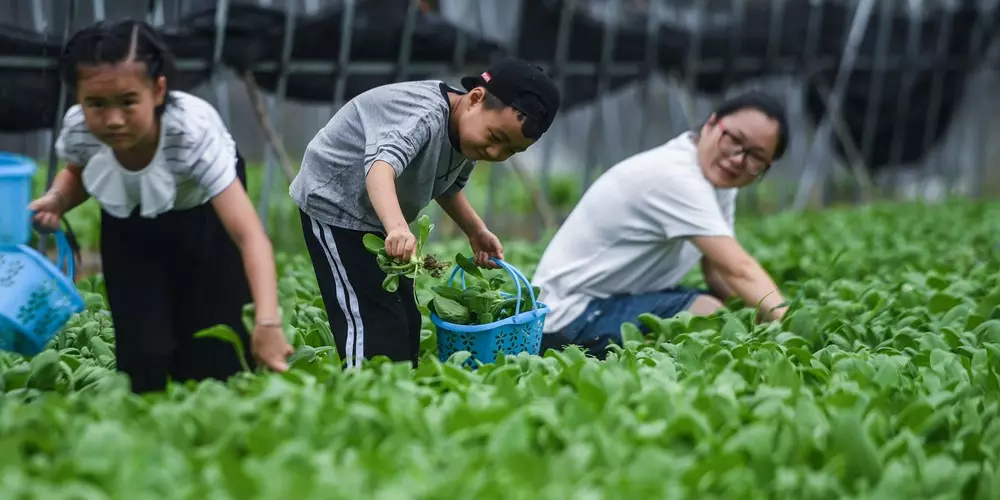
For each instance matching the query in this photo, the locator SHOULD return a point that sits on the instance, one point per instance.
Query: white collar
(106, 179)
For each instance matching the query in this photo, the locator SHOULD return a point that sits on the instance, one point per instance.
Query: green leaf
(630, 332)
(424, 226)
(226, 333)
(468, 265)
(449, 292)
(373, 243)
(849, 437)
(391, 283)
(450, 310)
(943, 302)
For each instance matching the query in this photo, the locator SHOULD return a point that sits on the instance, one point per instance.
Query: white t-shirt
(629, 233)
(194, 162)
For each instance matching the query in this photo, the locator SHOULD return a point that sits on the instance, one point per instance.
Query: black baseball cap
(515, 82)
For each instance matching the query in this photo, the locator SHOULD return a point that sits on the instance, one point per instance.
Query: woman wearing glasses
(645, 223)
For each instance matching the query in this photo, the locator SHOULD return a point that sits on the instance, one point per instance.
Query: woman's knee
(704, 305)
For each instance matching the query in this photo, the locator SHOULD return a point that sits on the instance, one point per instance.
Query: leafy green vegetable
(395, 268)
(480, 303)
(882, 382)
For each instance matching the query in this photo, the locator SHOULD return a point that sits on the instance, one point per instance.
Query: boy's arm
(457, 207)
(381, 186)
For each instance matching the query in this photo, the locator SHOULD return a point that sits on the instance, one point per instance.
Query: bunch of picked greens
(481, 303)
(394, 268)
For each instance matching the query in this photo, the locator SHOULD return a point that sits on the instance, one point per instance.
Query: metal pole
(61, 107)
(816, 154)
(343, 59)
(940, 69)
(979, 129)
(218, 85)
(596, 144)
(558, 74)
(44, 137)
(911, 63)
(50, 173)
(735, 41)
(650, 69)
(275, 108)
(154, 13)
(882, 44)
(99, 10)
(495, 173)
(406, 42)
(810, 66)
(772, 60)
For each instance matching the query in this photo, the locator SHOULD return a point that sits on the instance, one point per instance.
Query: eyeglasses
(754, 162)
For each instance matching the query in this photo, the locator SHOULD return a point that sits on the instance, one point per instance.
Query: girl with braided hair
(182, 248)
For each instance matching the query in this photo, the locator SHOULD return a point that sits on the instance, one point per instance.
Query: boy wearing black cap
(382, 158)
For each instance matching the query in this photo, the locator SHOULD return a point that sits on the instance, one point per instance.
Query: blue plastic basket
(16, 172)
(36, 298)
(516, 334)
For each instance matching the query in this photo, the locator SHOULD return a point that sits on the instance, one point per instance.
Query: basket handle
(64, 254)
(67, 247)
(514, 273)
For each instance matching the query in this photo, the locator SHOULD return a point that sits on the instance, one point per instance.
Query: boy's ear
(476, 95)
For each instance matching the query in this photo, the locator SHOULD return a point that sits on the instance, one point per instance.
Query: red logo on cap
(486, 76)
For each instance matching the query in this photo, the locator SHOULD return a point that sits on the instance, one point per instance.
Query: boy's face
(491, 135)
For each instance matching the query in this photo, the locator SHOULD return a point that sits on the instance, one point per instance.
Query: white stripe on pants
(348, 300)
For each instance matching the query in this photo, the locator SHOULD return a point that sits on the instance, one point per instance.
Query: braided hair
(113, 42)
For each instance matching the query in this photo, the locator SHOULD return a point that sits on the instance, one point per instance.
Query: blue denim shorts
(600, 323)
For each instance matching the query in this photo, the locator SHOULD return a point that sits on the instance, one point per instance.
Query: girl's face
(119, 103)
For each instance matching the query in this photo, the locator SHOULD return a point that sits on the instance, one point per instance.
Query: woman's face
(737, 148)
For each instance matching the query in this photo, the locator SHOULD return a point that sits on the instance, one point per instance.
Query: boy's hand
(400, 244)
(48, 210)
(485, 245)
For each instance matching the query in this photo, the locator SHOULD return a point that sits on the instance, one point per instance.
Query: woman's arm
(741, 272)
(715, 282)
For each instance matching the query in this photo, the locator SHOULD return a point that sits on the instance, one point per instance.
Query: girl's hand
(271, 347)
(48, 210)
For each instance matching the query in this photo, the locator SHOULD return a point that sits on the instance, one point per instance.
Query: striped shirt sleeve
(460, 181)
(75, 144)
(398, 145)
(208, 152)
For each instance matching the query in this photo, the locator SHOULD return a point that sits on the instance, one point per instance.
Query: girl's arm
(244, 227)
(67, 188)
(241, 222)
